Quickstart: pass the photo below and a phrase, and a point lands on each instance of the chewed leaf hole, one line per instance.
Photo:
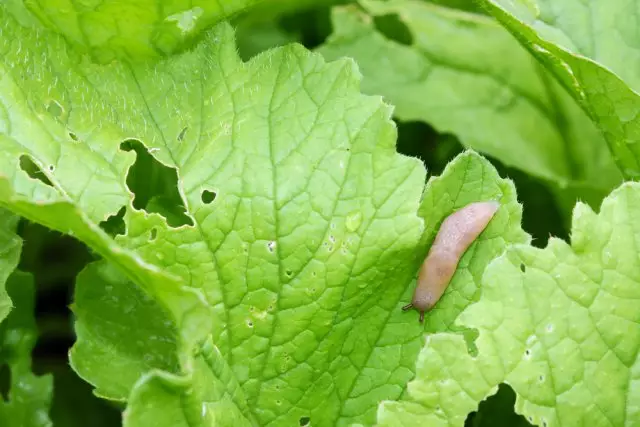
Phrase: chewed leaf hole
(5, 381)
(73, 136)
(497, 410)
(393, 28)
(304, 421)
(115, 225)
(153, 234)
(208, 196)
(155, 186)
(31, 169)
(523, 268)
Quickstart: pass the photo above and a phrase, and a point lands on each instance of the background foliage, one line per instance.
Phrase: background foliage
(211, 212)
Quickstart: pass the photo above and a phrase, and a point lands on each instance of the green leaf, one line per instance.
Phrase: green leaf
(141, 363)
(467, 179)
(464, 74)
(10, 247)
(305, 238)
(397, 339)
(588, 46)
(29, 396)
(133, 30)
(213, 397)
(559, 325)
(106, 304)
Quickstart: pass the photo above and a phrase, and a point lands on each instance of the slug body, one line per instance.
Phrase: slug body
(455, 236)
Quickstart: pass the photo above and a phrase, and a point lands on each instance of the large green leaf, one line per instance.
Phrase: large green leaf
(560, 325)
(304, 231)
(464, 74)
(591, 47)
(29, 396)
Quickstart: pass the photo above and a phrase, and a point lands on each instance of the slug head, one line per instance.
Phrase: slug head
(410, 306)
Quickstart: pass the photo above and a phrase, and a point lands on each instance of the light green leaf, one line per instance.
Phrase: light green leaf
(214, 397)
(398, 339)
(56, 128)
(29, 396)
(304, 239)
(128, 345)
(467, 179)
(466, 75)
(591, 47)
(10, 247)
(133, 30)
(559, 325)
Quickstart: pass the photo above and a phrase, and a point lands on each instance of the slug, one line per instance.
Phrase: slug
(455, 236)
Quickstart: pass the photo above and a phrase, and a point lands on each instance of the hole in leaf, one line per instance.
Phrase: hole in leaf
(311, 26)
(289, 273)
(182, 134)
(153, 234)
(5, 381)
(304, 421)
(523, 268)
(393, 28)
(114, 225)
(155, 186)
(73, 136)
(208, 197)
(497, 410)
(31, 169)
(51, 168)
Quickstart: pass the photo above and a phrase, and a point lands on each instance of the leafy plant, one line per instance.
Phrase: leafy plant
(235, 232)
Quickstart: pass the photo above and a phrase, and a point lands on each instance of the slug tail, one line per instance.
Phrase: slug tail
(422, 317)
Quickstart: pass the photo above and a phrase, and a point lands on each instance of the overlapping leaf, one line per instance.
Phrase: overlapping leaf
(462, 73)
(560, 325)
(591, 47)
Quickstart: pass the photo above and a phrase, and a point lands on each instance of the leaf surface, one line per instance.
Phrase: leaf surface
(591, 47)
(307, 228)
(137, 30)
(559, 325)
(464, 74)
